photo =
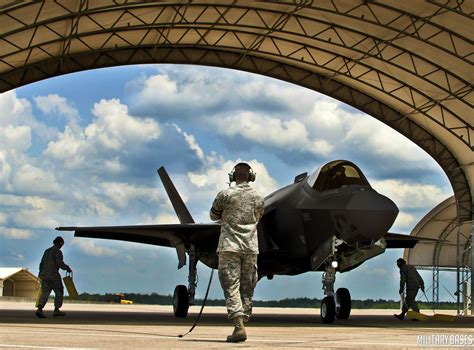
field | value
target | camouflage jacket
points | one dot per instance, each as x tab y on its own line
50	264
239	208
410	277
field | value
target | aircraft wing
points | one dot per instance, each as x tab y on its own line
398	240
167	235
203	236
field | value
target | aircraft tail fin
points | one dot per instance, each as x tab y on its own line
179	207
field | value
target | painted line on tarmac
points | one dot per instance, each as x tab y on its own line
13	346
97	334
292	341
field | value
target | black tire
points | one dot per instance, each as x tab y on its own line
344	300
180	301
328	310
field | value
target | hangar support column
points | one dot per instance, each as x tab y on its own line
472	266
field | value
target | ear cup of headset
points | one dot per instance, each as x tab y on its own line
252	176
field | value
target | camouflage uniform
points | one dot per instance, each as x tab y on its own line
413	281
49	267
239	208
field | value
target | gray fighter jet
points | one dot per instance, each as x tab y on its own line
330	221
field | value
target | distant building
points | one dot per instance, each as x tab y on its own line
18	282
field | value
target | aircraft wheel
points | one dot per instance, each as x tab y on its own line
328	310
344	300
180	301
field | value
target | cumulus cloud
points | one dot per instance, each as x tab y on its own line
16	138
192	92
56	105
411	195
290	135
15	233
384	141
92	248
213	177
30	179
278	116
191	140
17	112
121	194
112	132
405	221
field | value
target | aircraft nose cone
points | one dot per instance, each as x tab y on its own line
369	215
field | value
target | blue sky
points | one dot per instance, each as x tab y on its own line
83	149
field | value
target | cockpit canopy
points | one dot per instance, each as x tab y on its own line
337	174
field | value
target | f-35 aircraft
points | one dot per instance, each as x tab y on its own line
330	221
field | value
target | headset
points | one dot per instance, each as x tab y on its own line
252	175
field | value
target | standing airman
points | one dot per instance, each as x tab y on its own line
239	208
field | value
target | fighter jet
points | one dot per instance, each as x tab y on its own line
330	221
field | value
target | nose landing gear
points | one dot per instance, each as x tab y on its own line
334	304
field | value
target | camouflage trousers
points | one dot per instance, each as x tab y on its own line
238	277
47	286
410	300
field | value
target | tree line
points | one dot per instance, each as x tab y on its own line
158	299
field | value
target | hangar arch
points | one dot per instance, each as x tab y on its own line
408	65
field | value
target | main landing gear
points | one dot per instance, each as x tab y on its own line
183	296
334	304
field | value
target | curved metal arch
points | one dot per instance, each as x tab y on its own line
421	109
290	28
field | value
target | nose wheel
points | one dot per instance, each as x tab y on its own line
334	304
343	298
328	309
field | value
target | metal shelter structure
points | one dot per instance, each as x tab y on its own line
18	282
451	252
408	64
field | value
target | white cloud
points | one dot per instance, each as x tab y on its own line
213	177
91	248
31	211
121	194
165	219
112	132
285	134
31	179
5	171
197	91
99	208
56	105
191	140
114	127
15	233
411	195
385	141
3	218
405	221
17	138
15	112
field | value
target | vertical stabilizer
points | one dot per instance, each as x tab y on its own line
179	207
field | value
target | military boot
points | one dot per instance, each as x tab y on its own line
58	312
239	333
39	313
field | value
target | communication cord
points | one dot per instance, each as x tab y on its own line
202	307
